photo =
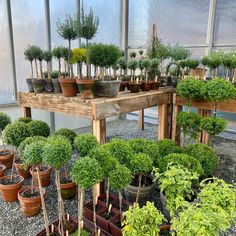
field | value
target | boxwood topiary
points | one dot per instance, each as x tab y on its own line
68	133
16	132
205	155
191	163
4	120
24	119
167	146
213	125
84	143
39	128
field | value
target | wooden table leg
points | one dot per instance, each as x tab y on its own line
99	130
163	122
141	119
176	131
26	111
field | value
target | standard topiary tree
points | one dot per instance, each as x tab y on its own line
86	172
167	146
4	121
57	53
68	133
39	128
47	56
132	65
84	143
24	119
140	164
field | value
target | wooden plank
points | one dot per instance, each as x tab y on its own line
99	130
26	111
176	131
141	119
163	121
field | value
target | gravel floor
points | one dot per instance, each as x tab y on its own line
12	222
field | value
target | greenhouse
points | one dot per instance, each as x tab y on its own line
118	118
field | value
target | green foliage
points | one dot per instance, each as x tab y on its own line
143	221
24	119
140	164
54	74
57	152
218	89
190	122
84	143
39	128
78	55
178	53
28	54
33	152
68	133
122	63
190	88
132	54
176	184
86	172
205	61
146	63
121	150
167	146
104	54
192	64
47	56
184	160
4	120
205	155
140	52
215	59
33	52
16	132
132	65
83	232
65	53
120	177
213	125
57	52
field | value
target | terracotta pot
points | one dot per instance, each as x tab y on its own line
48	86
9	191
68	190
30	85
56	86
88	209
146	86
30	206
71	225
134	87
7	159
21	169
123	86
69	88
38	85
2	170
115	230
44	176
155	85
106	88
85	87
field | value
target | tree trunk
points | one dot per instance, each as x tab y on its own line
41	69
48	69
68	59
80	208
3	144
107	193
59	66
32	71
139	186
12	168
87	61
36	68
120	206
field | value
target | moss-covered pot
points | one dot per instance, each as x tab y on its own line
30	85
106	88
38	85
68	189
85	87
56	86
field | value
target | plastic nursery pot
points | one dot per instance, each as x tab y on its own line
115	226
2	170
6	158
44	174
52	233
123	86
155	85
48	86
21	169
85	87
69	88
70	226
56	86
88	209
146	86
68	188
38	85
125	205
30	204
106	88
134	87
164	230
112	199
30	85
9	189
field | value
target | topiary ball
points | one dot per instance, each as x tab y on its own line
181	159
57	152
86	172
68	133
24	119
4	120
167	146
39	128
205	155
15	133
84	143
213	125
120	177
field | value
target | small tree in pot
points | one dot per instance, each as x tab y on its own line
57	53
134	84
39	128
79	56
29	57
68	133
47	56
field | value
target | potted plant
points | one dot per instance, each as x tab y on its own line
57	152
168	146
67	31
120	177
78	57
48	86
192	64
86	173
6	155
39	128
68	133
142	221
142	185
87	26
146	64
154	71
134	84
123	66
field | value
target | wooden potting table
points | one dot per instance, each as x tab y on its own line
98	109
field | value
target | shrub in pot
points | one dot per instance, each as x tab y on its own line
79	56
86	173
39	128
153	71
123	66
168	146
134	84
24	119
48	86
6	155
68	133
146	86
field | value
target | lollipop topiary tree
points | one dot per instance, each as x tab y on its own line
47	56
68	133
57	53
39	128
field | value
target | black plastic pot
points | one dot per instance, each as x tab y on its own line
38	85
30	85
56	86
106	88
48	86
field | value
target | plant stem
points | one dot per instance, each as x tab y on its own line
68	59
139	186
48	69
59	66
36	68
107	193
66	172
87	61
120	206
32	72
41	69
32	180
13	161
94	190
3	144
80	208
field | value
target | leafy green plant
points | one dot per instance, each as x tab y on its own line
54	74
24	119
205	155
47	56
132	65
68	133
167	146
213	125
78	56
29	57
4	121
132	55
146	63
178	53
153	70
143	221
192	64
39	128
122	64
84	143
57	53
182	159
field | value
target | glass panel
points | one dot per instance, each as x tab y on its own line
6	88
27	29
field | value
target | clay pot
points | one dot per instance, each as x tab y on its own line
134	87
38	85
6	158
106	88
123	86
9	191
56	86
85	87
146	86
68	190
30	206
30	85
69	88
2	170
21	169
44	176
155	85
48	86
